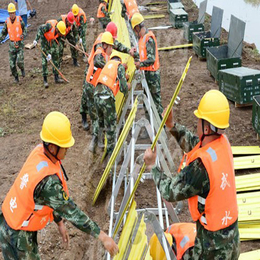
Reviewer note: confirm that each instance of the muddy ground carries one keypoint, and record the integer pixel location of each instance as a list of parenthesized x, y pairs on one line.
[(23, 107)]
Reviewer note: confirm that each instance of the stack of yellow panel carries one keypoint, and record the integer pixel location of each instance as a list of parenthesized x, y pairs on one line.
[(253, 255), (248, 197), (139, 248)]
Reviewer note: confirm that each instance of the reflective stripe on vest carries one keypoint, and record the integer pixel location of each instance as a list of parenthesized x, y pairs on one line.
[(19, 208), (221, 208), (93, 72), (184, 236), (109, 77), (14, 29), (131, 7), (81, 13), (50, 35), (98, 41), (68, 28), (143, 52), (100, 14)]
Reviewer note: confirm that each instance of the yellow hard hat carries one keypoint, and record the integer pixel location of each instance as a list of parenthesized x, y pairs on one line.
[(156, 250), (105, 1), (107, 38), (61, 27), (56, 130), (115, 54), (75, 9), (136, 19), (214, 108), (11, 8)]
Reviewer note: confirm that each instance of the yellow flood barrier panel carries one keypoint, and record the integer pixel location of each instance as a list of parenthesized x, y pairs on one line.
[(253, 255), (247, 162), (116, 150), (251, 214), (236, 150), (154, 16), (140, 245), (183, 46), (154, 143), (248, 182), (127, 232), (248, 199)]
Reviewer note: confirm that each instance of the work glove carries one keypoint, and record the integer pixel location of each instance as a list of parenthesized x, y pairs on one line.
[(34, 43), (80, 41), (48, 58)]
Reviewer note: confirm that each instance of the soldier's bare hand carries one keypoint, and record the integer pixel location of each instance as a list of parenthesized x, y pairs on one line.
[(150, 158), (132, 51), (169, 122), (64, 234), (108, 243), (128, 86)]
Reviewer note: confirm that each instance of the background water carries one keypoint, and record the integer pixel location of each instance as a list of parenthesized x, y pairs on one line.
[(246, 10)]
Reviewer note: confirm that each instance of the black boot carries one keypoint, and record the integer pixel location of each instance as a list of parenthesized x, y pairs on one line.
[(45, 82), (57, 79), (85, 122), (23, 72), (93, 144), (16, 79), (75, 62)]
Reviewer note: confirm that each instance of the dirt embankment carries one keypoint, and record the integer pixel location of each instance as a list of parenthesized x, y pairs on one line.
[(23, 107)]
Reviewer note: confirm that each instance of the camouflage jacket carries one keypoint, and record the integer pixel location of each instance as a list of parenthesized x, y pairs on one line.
[(190, 181), (5, 31), (83, 26), (50, 192), (104, 90), (150, 48), (41, 31), (103, 10)]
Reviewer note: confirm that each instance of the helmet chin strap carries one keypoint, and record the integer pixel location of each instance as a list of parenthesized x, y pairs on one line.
[(215, 129), (46, 145)]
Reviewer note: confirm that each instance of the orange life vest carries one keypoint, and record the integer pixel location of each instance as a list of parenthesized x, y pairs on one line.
[(131, 7), (81, 13), (68, 28), (100, 14), (108, 76), (51, 34), (98, 41), (14, 29), (221, 208), (93, 72), (19, 208), (143, 52), (184, 235)]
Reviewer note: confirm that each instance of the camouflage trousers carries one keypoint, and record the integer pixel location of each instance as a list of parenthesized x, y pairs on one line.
[(72, 40), (83, 36), (215, 246), (106, 112), (88, 105), (54, 50), (16, 56), (17, 244), (153, 79), (104, 21)]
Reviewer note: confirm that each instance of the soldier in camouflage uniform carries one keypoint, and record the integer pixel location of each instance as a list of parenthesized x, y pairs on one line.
[(104, 98), (50, 191), (103, 15), (16, 45), (86, 103), (71, 35), (81, 23), (50, 45), (149, 59), (193, 180)]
